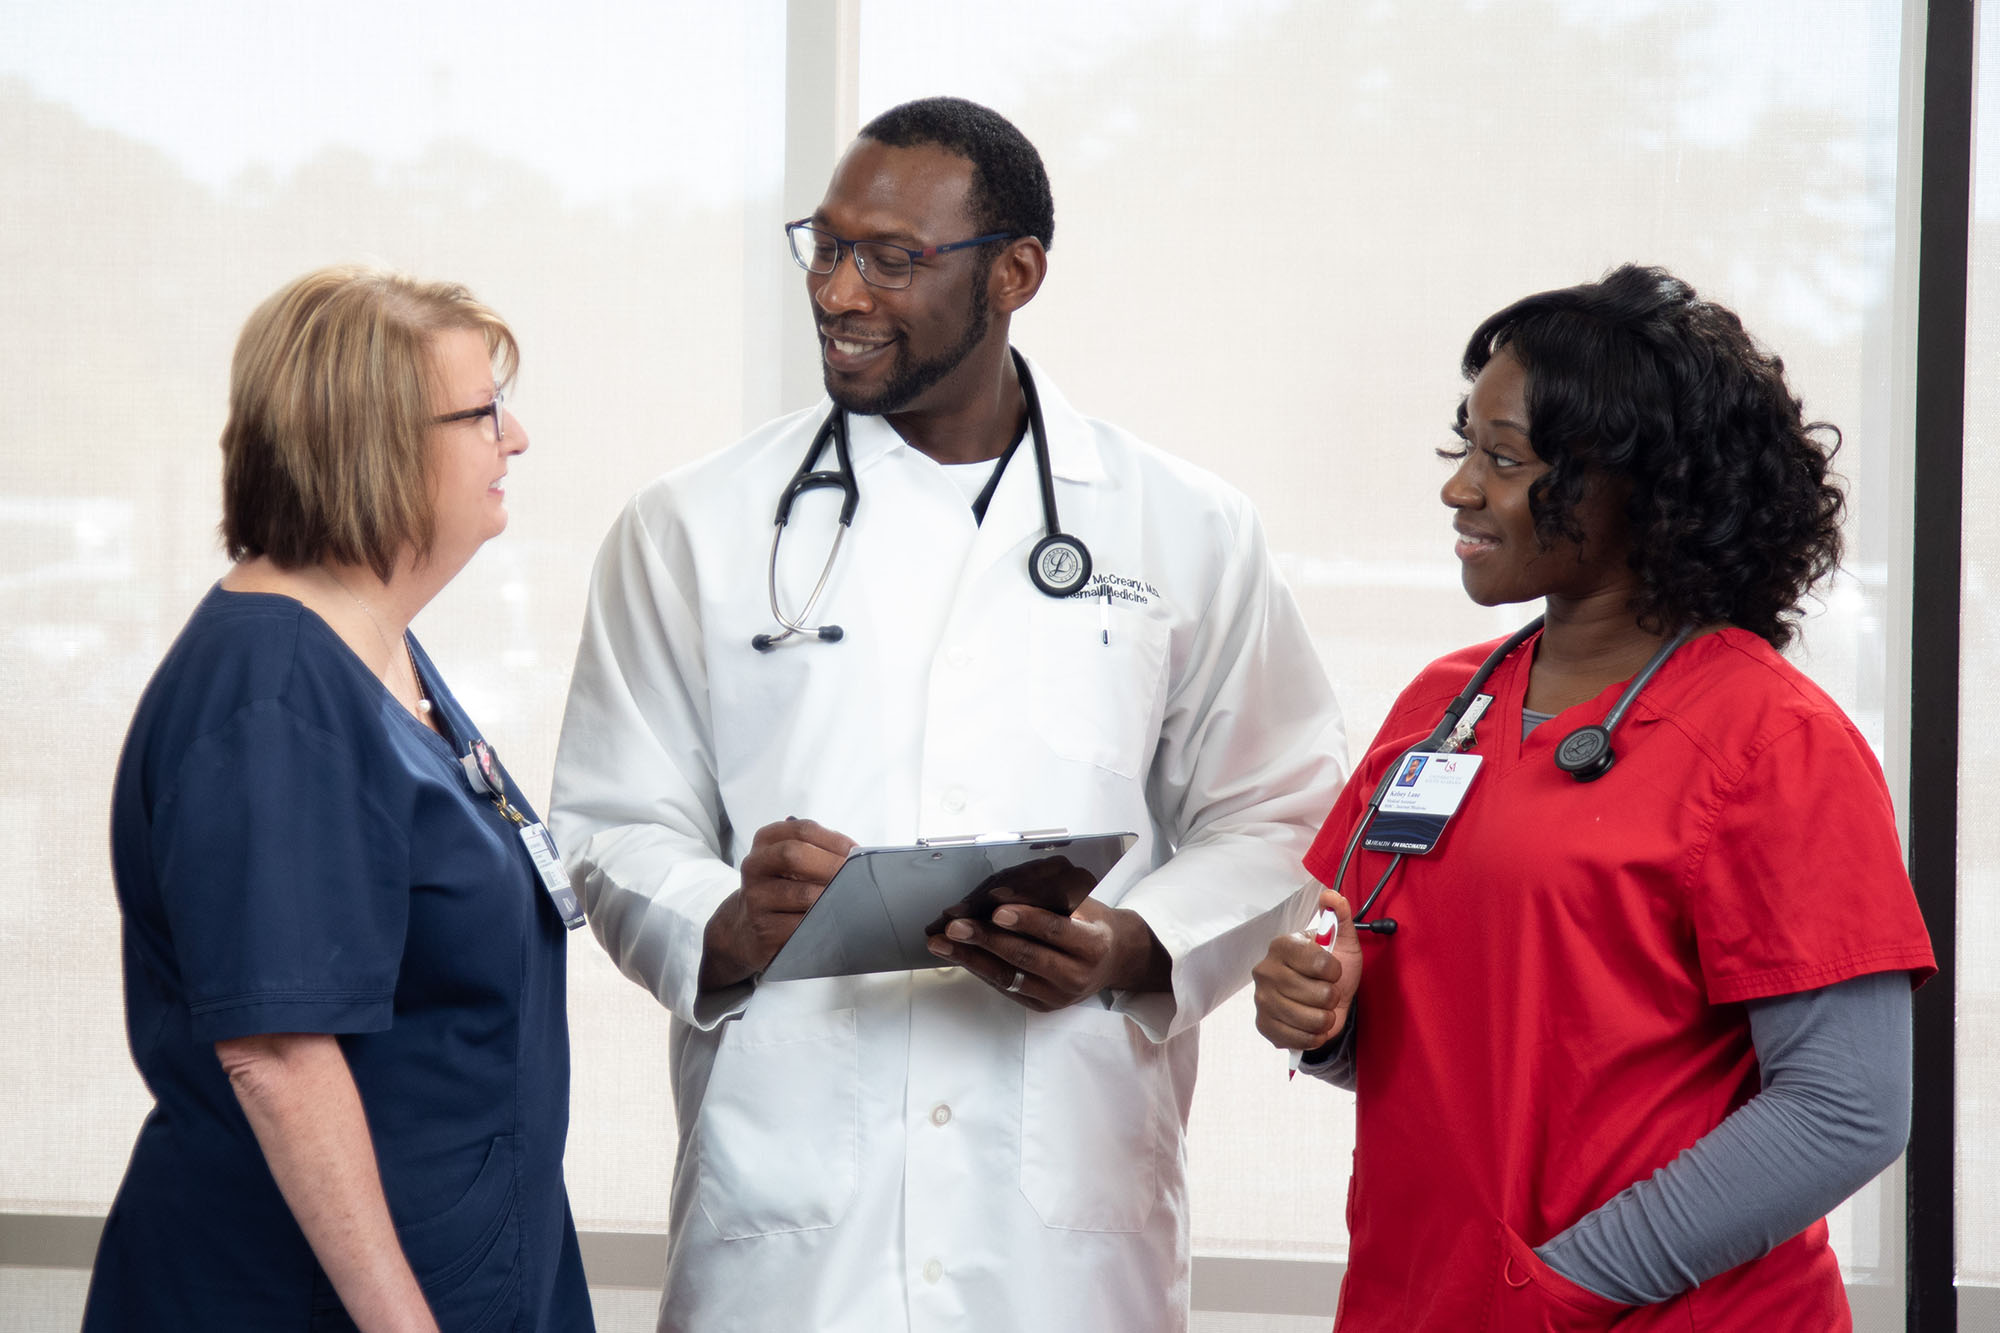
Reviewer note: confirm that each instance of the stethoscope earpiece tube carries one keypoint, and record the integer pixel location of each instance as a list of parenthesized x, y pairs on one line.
[(803, 480)]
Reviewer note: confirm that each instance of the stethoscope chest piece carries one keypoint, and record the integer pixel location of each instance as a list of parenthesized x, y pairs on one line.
[(1585, 754), (1059, 564)]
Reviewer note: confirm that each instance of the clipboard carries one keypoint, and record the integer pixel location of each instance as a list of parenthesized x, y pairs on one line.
[(885, 902)]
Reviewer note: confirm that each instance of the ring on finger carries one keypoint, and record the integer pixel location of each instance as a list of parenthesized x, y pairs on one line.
[(1014, 986)]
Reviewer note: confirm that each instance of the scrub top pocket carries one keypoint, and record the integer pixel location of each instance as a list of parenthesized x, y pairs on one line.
[(1097, 702), (1531, 1297), (467, 1259)]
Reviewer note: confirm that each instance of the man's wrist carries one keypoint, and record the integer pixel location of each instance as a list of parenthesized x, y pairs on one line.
[(1143, 962), (720, 965)]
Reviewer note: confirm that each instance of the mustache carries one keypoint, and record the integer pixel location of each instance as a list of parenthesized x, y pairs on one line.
[(849, 331)]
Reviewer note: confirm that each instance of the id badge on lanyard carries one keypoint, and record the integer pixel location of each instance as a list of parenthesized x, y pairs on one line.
[(1427, 790), (482, 769)]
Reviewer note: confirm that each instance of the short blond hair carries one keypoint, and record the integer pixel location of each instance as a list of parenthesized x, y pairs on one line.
[(324, 456)]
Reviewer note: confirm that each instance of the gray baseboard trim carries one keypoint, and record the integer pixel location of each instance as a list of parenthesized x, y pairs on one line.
[(1221, 1283), (48, 1240), (624, 1258), (1267, 1286), (638, 1260)]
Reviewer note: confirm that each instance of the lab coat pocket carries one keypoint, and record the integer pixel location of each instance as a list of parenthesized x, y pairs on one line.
[(777, 1138), (1097, 1120), (1531, 1297), (1098, 674)]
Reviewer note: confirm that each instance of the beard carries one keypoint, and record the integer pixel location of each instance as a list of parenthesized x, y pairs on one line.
[(910, 376)]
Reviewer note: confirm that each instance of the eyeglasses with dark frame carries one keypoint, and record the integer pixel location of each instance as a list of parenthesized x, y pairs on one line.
[(491, 409), (880, 263)]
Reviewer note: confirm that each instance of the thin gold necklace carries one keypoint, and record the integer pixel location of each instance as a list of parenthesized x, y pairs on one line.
[(416, 677)]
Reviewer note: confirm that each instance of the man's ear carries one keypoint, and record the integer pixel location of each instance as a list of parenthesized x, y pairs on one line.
[(1016, 275)]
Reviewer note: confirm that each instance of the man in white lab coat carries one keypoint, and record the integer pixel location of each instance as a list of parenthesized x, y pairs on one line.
[(996, 1143)]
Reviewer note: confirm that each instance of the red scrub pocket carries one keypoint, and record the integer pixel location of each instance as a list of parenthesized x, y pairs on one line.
[(1531, 1297)]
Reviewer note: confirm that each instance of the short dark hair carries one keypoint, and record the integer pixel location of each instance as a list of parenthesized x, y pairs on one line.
[(1010, 187), (1733, 511)]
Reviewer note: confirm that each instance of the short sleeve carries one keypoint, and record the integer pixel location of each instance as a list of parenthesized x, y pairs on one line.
[(285, 888), (1801, 882)]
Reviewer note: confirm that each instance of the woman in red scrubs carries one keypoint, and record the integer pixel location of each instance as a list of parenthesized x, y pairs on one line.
[(1635, 1029)]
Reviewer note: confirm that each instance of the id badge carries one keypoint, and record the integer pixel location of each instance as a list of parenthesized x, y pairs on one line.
[(542, 850), (1420, 802)]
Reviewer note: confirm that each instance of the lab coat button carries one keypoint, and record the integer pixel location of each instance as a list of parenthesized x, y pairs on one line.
[(933, 1271), (940, 1115), (958, 657), (954, 799)]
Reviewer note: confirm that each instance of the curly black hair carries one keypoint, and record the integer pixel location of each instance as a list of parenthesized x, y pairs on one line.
[(1733, 512), (1010, 187)]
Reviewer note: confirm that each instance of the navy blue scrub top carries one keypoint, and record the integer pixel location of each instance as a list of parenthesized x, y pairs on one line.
[(294, 852)]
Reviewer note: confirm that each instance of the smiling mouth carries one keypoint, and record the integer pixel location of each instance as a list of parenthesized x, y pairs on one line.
[(851, 348), (1473, 543)]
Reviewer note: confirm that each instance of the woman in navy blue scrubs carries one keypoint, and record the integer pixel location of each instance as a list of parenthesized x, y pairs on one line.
[(344, 975)]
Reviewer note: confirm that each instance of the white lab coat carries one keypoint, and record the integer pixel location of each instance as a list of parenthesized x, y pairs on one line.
[(914, 1150)]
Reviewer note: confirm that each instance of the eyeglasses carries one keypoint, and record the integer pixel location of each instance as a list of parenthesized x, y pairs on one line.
[(880, 263), (491, 409)]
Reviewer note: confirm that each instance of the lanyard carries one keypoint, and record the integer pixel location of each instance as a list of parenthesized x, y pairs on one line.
[(489, 779)]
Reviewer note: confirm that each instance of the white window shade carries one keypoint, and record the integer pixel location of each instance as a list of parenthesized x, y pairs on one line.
[(1276, 224)]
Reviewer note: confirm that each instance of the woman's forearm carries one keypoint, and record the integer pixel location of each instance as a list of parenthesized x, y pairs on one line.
[(1834, 1110), (300, 1098)]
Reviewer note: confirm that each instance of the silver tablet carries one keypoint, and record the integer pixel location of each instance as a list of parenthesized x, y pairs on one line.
[(885, 902)]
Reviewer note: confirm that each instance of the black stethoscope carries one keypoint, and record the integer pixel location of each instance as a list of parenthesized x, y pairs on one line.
[(1585, 754), (1059, 564)]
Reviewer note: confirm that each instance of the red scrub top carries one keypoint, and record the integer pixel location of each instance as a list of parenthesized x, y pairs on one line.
[(1560, 1013)]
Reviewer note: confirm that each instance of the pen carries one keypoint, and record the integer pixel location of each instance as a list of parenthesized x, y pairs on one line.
[(1104, 615), (1325, 925)]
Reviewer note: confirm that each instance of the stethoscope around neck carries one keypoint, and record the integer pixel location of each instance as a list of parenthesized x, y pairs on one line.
[(1585, 754), (1059, 564)]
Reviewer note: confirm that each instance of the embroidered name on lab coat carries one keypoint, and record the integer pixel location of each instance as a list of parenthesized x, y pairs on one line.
[(1120, 588)]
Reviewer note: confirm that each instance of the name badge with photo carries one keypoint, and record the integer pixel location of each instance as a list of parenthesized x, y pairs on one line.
[(1420, 801)]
